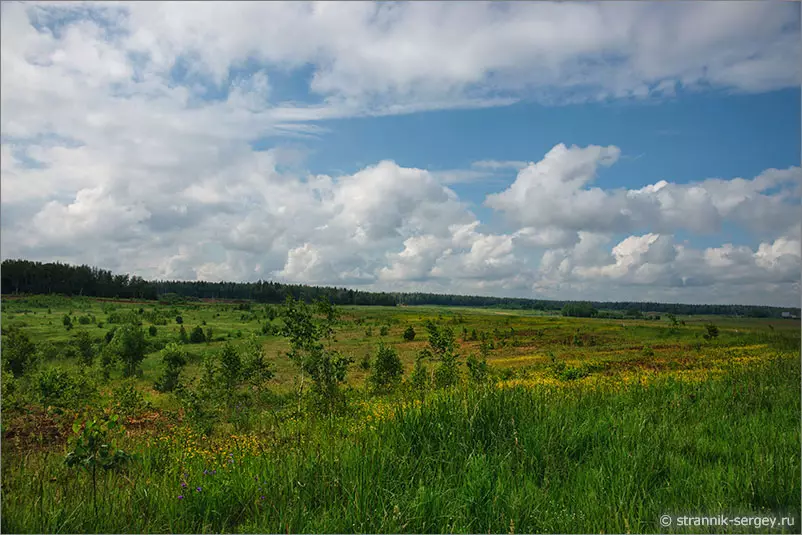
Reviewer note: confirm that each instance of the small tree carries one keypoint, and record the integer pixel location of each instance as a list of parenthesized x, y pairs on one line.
[(387, 368), (129, 346), (182, 335), (443, 347), (152, 330), (18, 352), (256, 368), (197, 336), (325, 366), (86, 351), (93, 448), (67, 321), (179, 320), (230, 366), (208, 335), (712, 331), (477, 368), (174, 358), (409, 334), (420, 378), (384, 330)]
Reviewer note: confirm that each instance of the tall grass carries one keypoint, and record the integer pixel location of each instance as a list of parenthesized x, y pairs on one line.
[(480, 459)]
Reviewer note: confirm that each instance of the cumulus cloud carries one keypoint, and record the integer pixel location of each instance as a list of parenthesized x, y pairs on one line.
[(128, 129), (556, 192)]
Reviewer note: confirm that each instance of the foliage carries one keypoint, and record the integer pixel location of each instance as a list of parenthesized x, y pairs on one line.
[(325, 366), (174, 358), (409, 334), (477, 368), (93, 447), (60, 388), (712, 331), (197, 336), (579, 310), (18, 352), (387, 369), (129, 346), (86, 349), (443, 347), (128, 400)]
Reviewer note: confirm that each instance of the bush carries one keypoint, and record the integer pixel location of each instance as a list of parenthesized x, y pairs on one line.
[(197, 336), (420, 378), (127, 400), (84, 320), (182, 335), (387, 368), (152, 330), (179, 320), (174, 359), (18, 353), (67, 321), (712, 331), (129, 346), (409, 334), (60, 388), (384, 330), (86, 350), (477, 369)]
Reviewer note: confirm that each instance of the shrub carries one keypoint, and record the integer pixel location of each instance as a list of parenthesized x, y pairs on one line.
[(477, 369), (712, 331), (384, 330), (128, 400), (420, 378), (197, 336), (174, 359), (84, 320), (409, 334), (387, 368), (60, 388), (182, 335), (129, 346), (152, 330), (86, 350), (364, 362), (18, 353), (179, 320), (67, 321)]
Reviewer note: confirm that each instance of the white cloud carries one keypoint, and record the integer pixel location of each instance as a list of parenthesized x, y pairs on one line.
[(127, 144)]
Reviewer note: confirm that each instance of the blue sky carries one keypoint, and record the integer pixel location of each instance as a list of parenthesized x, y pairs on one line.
[(614, 150)]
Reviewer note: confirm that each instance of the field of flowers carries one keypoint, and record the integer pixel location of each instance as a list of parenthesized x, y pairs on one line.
[(557, 425)]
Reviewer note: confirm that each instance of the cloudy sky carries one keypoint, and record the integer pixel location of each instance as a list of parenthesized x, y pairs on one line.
[(610, 151)]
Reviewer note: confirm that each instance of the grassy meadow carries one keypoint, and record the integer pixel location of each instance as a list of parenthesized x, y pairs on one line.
[(560, 424)]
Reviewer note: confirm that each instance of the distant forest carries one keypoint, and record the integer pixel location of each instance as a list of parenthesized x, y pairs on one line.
[(26, 277)]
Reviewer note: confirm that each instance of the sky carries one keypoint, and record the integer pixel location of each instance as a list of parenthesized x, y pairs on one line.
[(601, 151)]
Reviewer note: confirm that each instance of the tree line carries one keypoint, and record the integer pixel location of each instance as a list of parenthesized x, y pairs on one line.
[(27, 277)]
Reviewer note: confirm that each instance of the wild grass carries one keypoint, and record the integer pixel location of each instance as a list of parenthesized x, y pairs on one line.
[(687, 426)]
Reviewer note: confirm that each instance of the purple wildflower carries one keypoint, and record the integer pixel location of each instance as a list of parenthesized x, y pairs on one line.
[(183, 485), (262, 497), (180, 496), (198, 489)]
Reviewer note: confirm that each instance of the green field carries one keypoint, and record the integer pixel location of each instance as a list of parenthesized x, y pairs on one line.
[(577, 425)]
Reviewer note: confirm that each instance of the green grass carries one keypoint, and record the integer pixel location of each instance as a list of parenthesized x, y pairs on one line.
[(559, 456)]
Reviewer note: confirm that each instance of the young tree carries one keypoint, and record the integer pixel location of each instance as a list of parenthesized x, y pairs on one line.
[(86, 351), (325, 366), (387, 368), (129, 346), (18, 352), (409, 334), (443, 347), (182, 335), (197, 336), (174, 358)]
